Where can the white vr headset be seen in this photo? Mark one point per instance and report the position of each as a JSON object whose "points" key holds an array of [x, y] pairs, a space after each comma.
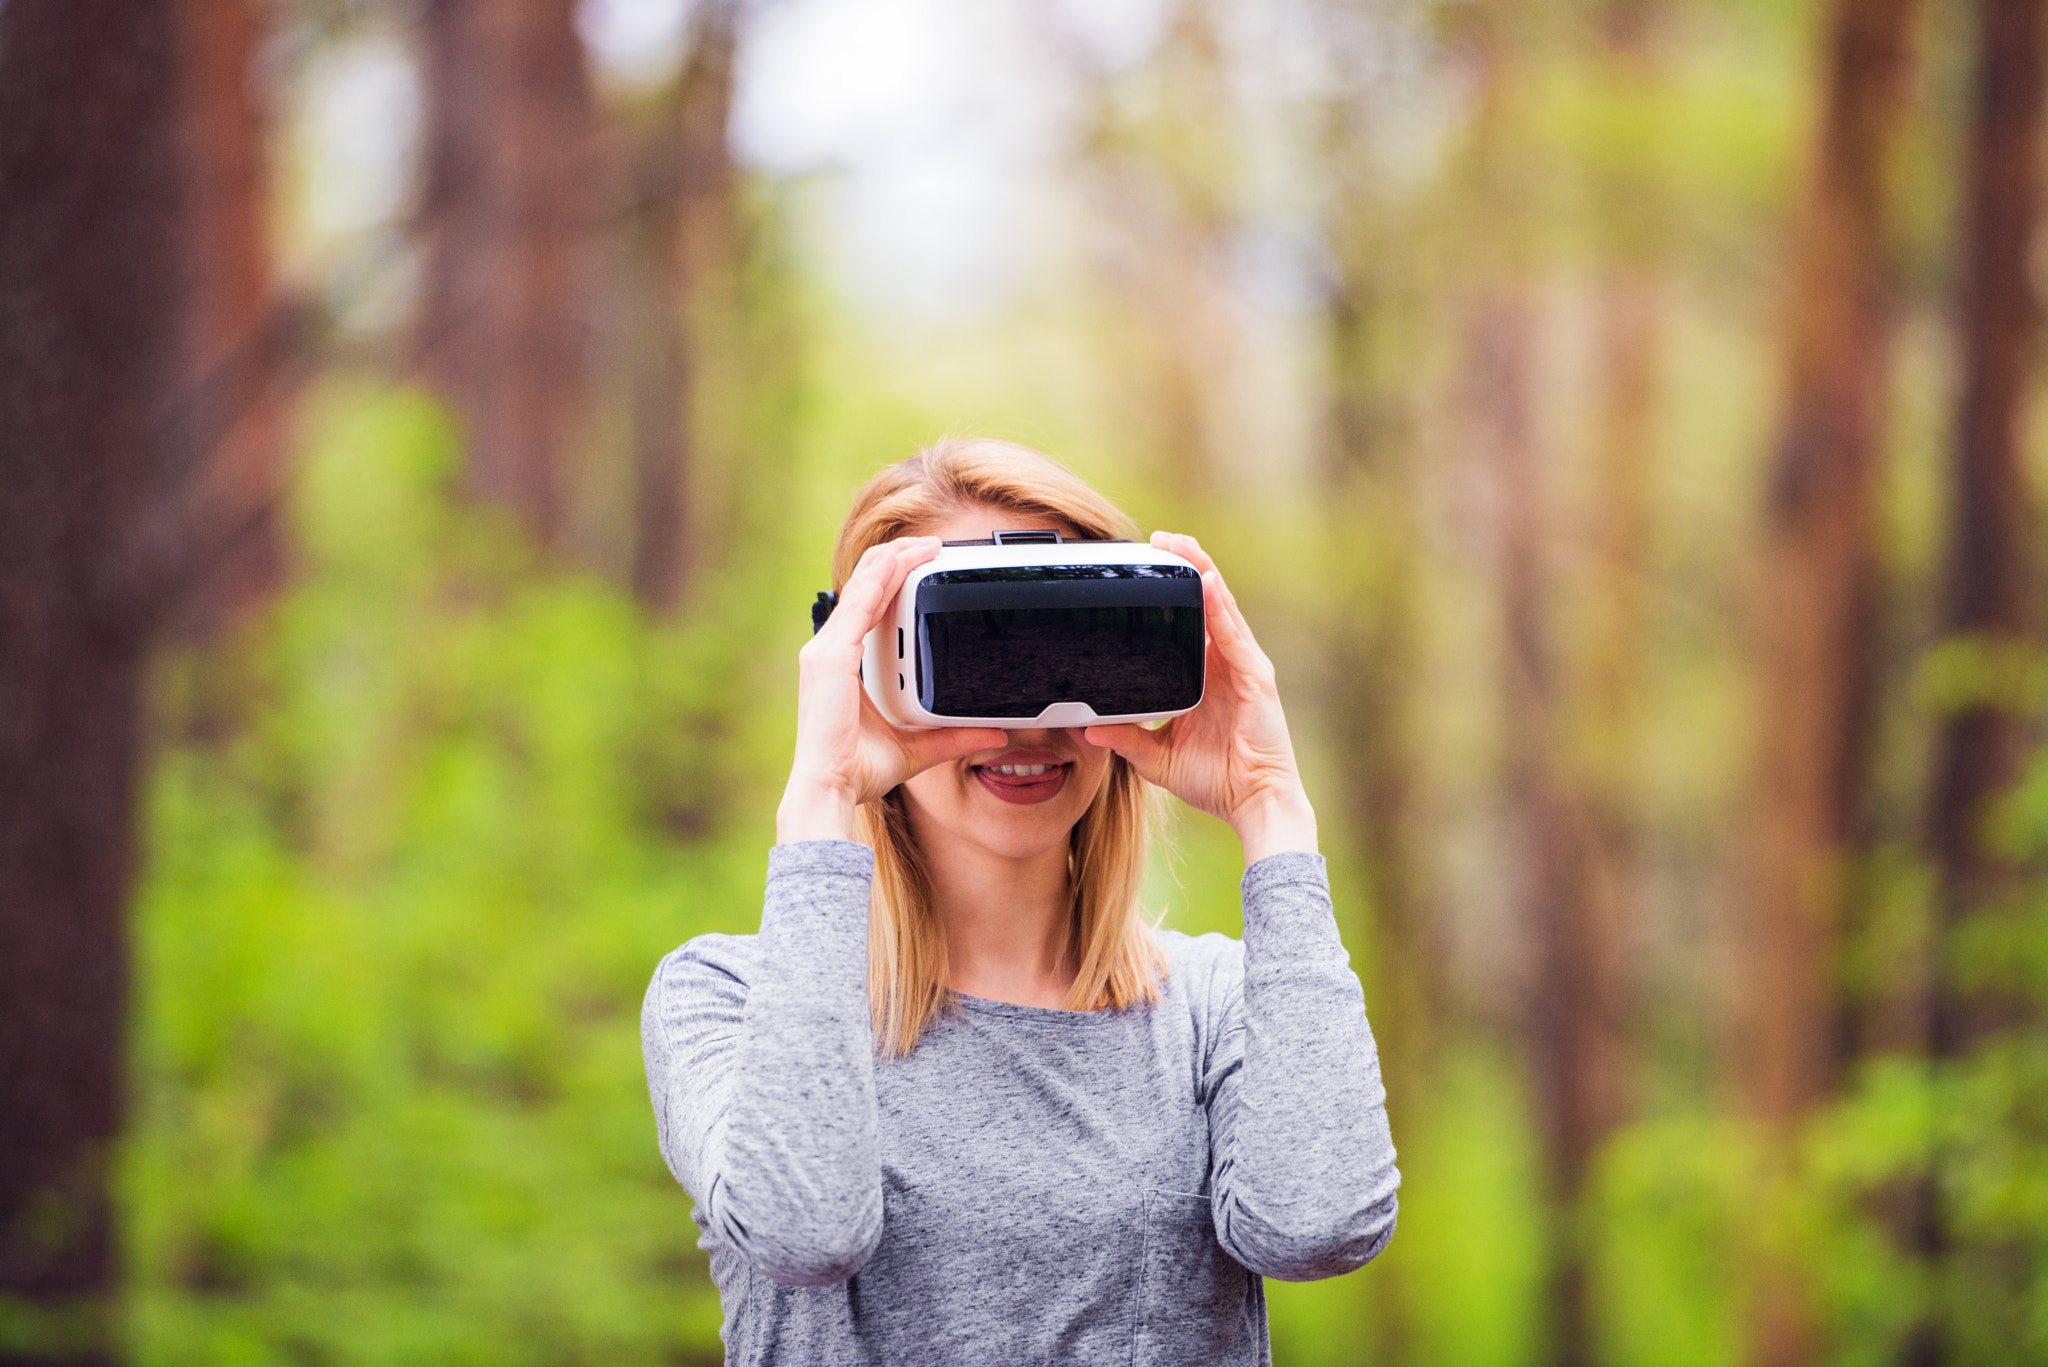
{"points": [[1027, 630]]}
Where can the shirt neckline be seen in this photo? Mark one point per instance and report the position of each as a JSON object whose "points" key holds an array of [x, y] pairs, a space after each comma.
{"points": [[1042, 1015]]}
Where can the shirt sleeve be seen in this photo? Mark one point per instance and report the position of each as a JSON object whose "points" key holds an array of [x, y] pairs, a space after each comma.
{"points": [[761, 1069], [1302, 1177]]}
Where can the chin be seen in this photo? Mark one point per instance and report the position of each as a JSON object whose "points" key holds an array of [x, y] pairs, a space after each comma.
{"points": [[1018, 840]]}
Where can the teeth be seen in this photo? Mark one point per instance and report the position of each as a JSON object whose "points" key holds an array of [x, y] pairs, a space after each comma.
{"points": [[1022, 770]]}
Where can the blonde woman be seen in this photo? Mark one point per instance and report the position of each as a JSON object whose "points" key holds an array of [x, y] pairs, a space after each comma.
{"points": [[958, 1101]]}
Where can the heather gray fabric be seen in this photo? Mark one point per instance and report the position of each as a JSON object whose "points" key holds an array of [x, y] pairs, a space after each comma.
{"points": [[1029, 1186]]}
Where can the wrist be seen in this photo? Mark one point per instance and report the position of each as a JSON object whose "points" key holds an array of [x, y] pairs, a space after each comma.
{"points": [[1275, 823], [812, 810]]}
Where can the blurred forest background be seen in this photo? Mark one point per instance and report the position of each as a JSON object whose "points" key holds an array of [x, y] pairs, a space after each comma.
{"points": [[423, 424]]}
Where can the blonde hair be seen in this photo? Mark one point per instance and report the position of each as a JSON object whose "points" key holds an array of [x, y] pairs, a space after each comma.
{"points": [[1119, 961]]}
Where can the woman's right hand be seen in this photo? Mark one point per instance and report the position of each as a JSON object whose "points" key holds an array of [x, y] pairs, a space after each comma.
{"points": [[847, 752]]}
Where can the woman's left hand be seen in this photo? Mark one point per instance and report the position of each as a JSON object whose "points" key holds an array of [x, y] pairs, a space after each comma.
{"points": [[1231, 756]]}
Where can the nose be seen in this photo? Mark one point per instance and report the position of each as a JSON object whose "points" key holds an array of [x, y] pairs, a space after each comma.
{"points": [[1073, 739], [1067, 738]]}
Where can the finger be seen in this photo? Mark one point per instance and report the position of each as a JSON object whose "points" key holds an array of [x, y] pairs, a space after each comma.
{"points": [[1231, 634], [857, 597], [1145, 749], [911, 551], [1186, 547], [923, 749], [880, 573], [873, 585], [1190, 550]]}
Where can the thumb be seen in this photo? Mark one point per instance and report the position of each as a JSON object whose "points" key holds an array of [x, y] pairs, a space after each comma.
{"points": [[926, 748], [1143, 748]]}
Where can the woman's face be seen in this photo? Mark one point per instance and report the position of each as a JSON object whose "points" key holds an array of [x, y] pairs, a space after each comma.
{"points": [[1022, 799]]}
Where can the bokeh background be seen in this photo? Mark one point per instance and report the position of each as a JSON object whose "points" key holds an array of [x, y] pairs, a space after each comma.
{"points": [[423, 424]]}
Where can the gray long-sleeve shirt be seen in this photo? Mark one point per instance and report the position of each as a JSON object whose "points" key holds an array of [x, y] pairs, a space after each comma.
{"points": [[1028, 1186]]}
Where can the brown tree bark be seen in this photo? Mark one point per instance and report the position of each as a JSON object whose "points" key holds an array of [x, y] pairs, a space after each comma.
{"points": [[1369, 488], [1631, 336], [682, 240], [1817, 570], [1816, 605], [1589, 900], [231, 402], [1608, 702], [1161, 169], [1572, 1045], [1369, 480], [1981, 744], [509, 217], [1989, 512], [1565, 894], [88, 310]]}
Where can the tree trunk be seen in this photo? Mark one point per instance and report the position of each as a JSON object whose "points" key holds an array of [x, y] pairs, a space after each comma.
{"points": [[1589, 901], [1987, 550], [1988, 567], [88, 245], [682, 242], [1815, 632], [1163, 184], [1609, 697], [1567, 1037], [509, 219], [1573, 1015], [230, 406], [1370, 493], [1370, 497]]}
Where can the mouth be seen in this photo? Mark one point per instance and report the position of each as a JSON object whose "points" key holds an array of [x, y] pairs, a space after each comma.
{"points": [[1023, 779]]}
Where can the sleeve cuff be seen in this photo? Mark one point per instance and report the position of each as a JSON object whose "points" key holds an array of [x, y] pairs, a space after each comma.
{"points": [[826, 858], [1279, 870], [1287, 912], [817, 900]]}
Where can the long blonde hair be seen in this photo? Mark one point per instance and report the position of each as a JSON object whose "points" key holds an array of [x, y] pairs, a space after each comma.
{"points": [[1119, 961]]}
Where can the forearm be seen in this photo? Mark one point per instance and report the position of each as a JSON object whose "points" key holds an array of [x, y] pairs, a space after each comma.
{"points": [[812, 810], [1277, 824], [798, 1186], [1306, 1180]]}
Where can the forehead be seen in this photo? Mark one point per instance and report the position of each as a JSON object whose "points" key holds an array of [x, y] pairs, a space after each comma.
{"points": [[976, 521]]}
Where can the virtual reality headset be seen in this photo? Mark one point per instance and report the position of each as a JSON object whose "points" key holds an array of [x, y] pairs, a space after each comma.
{"points": [[1028, 630]]}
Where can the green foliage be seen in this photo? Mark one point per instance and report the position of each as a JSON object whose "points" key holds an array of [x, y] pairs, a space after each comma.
{"points": [[1666, 1223], [1468, 1254], [392, 941], [1962, 1140]]}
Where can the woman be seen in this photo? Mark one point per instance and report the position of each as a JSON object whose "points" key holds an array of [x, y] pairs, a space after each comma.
{"points": [[958, 1102]]}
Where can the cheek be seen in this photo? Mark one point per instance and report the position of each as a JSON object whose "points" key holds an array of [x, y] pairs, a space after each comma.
{"points": [[1090, 777], [936, 791]]}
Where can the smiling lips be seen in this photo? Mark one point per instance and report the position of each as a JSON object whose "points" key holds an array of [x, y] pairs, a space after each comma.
{"points": [[1024, 778]]}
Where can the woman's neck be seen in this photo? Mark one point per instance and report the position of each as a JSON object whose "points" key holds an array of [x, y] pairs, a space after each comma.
{"points": [[1006, 922]]}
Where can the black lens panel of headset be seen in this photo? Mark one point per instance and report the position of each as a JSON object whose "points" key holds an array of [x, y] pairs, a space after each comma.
{"points": [[1012, 641]]}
